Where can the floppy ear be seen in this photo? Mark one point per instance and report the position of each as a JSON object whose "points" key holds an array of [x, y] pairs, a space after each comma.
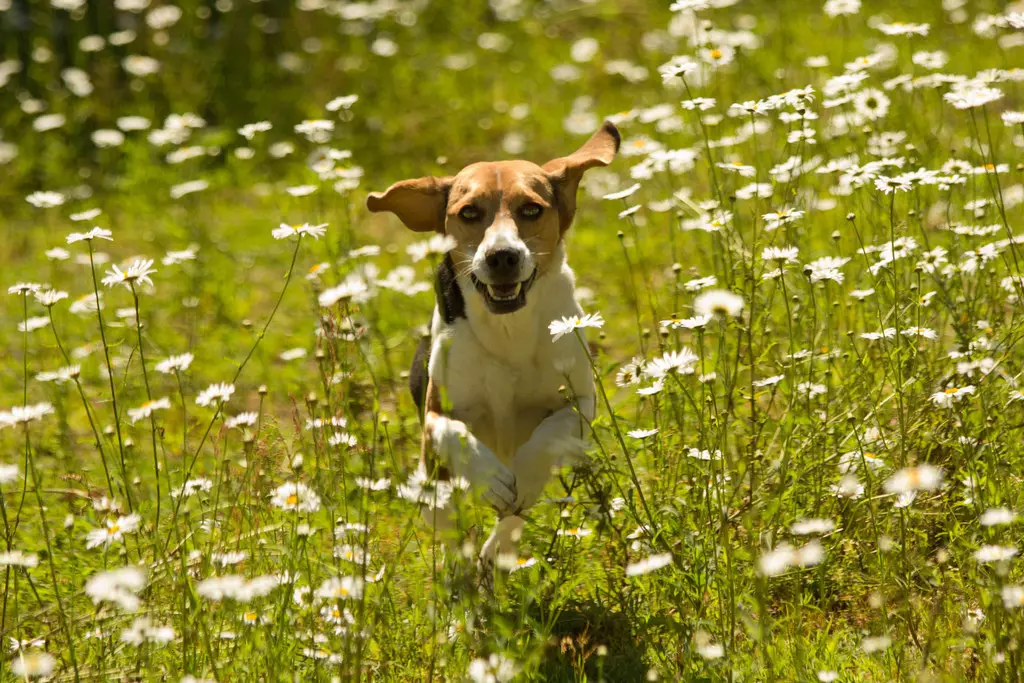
{"points": [[566, 172], [420, 203]]}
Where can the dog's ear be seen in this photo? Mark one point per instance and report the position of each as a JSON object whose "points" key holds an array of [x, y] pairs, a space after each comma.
{"points": [[566, 172], [420, 202]]}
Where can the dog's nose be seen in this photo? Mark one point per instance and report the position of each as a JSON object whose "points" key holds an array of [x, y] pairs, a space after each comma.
{"points": [[503, 262]]}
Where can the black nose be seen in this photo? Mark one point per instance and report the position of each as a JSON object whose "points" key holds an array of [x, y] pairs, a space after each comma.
{"points": [[503, 262]]}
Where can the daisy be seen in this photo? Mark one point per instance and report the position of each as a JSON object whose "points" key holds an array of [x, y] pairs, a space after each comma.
{"points": [[215, 392], [997, 517], [193, 486], [576, 532], [785, 557], [693, 323], [25, 414], [285, 231], [924, 477], [641, 433], [649, 564], [718, 302], [24, 288], [341, 588], [511, 563], [813, 527], [96, 233], [436, 244], [147, 408], [113, 531], [700, 283], [174, 364], [8, 473], [950, 395], [28, 665], [241, 420], [138, 271], [50, 297], [295, 496], [16, 558], [118, 586], [180, 190], [988, 554], [235, 587], [560, 328], [672, 362], [780, 254]]}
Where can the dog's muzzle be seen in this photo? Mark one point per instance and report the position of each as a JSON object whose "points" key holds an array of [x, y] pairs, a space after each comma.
{"points": [[506, 297]]}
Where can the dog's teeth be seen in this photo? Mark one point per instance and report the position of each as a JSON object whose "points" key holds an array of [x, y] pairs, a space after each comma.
{"points": [[504, 297]]}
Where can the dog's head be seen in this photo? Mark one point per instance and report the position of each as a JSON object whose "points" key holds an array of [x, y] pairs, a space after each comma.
{"points": [[507, 217]]}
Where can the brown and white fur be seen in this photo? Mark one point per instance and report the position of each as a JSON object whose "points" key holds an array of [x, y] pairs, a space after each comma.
{"points": [[490, 351]]}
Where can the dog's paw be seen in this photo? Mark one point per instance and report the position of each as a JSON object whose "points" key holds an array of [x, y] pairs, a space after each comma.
{"points": [[534, 462], [471, 459]]}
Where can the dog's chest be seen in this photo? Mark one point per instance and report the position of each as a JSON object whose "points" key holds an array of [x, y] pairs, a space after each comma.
{"points": [[502, 382]]}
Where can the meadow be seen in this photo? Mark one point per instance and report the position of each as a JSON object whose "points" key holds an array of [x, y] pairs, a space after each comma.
{"points": [[804, 275]]}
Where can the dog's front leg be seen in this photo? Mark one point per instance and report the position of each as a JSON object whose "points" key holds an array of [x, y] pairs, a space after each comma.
{"points": [[468, 457], [559, 438]]}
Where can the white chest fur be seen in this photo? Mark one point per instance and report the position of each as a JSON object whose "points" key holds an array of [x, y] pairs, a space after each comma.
{"points": [[501, 374]]}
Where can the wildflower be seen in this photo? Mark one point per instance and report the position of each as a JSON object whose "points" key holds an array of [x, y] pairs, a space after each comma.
{"points": [[24, 288], [241, 420], [50, 297], [813, 527], [899, 28], [827, 268], [180, 190], [495, 669], [180, 256], [706, 455], [622, 194], [215, 392], [718, 302], [343, 102], [193, 486], [143, 630], [174, 364], [641, 433], [693, 323], [235, 587], [769, 381], [649, 564], [28, 665], [341, 588], [45, 200], [560, 328], [987, 554], [117, 586], [576, 532], [353, 289], [285, 231], [679, 362], [924, 477], [19, 415], [96, 233], [971, 95], [436, 244], [700, 283], [785, 556], [950, 395], [511, 563], [998, 517], [373, 484], [780, 254], [873, 644], [8, 473], [147, 408], [1013, 596], [16, 558], [229, 559], [295, 496], [113, 531]]}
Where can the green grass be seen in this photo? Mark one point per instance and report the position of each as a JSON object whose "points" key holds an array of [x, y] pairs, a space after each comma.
{"points": [[901, 569]]}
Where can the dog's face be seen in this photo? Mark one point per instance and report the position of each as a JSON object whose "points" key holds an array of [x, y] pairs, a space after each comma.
{"points": [[507, 217]]}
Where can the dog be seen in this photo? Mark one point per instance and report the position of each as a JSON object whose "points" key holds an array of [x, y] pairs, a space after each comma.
{"points": [[509, 420]]}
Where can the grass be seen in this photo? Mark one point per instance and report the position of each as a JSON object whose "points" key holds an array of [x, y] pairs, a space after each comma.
{"points": [[829, 500]]}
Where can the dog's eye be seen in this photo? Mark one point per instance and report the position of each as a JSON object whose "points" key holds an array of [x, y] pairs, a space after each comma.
{"points": [[470, 213], [531, 211]]}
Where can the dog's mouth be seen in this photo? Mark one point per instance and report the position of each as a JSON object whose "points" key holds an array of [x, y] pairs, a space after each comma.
{"points": [[504, 298]]}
